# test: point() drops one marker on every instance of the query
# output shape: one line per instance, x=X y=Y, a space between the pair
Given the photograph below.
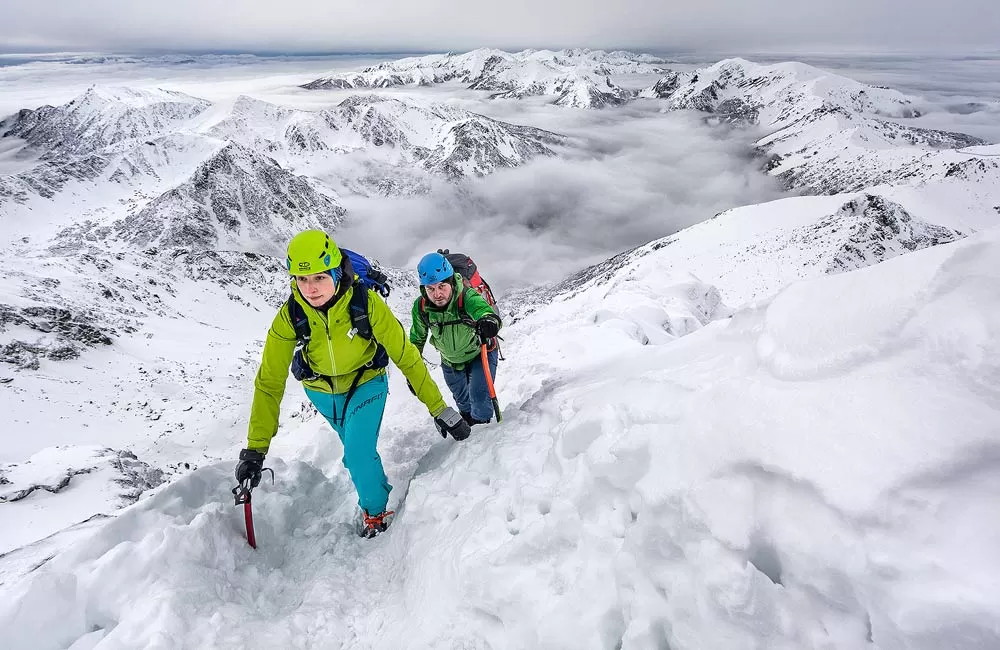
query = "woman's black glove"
x=249 y=467
x=448 y=421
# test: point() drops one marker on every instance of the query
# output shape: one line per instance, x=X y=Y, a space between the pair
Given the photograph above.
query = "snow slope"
x=103 y=116
x=749 y=253
x=788 y=477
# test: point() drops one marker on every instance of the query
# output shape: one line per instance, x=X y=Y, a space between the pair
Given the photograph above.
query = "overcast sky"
x=336 y=25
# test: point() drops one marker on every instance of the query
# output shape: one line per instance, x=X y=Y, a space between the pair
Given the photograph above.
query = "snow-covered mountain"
x=824 y=133
x=100 y=117
x=237 y=199
x=750 y=253
x=575 y=77
x=89 y=336
x=443 y=140
x=120 y=146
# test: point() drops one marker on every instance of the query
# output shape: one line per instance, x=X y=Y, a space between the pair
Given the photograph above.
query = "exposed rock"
x=873 y=229
x=62 y=334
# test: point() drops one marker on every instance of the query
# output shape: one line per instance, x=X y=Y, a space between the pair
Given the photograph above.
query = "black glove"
x=249 y=468
x=487 y=327
x=451 y=422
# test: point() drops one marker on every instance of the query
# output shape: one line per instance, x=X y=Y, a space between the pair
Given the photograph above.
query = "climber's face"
x=317 y=288
x=439 y=293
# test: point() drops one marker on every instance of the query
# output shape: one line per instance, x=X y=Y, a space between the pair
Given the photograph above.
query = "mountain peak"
x=133 y=97
x=237 y=199
x=102 y=116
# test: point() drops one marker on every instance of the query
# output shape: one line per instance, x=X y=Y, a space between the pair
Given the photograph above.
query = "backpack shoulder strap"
x=359 y=311
x=300 y=322
x=424 y=318
x=463 y=312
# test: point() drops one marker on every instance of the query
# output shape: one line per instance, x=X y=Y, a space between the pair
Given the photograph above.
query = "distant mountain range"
x=120 y=156
x=824 y=132
x=577 y=77
x=163 y=171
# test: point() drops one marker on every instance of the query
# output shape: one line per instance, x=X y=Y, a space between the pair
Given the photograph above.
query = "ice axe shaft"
x=248 y=516
x=242 y=492
x=489 y=382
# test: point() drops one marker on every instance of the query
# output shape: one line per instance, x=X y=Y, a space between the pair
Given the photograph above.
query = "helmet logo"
x=304 y=266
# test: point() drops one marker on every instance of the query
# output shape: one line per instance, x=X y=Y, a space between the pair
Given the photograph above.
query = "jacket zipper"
x=329 y=347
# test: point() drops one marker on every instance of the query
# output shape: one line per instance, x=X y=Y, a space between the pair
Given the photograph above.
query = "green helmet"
x=312 y=251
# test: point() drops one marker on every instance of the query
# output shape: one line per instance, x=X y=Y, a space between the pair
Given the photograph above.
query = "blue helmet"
x=434 y=268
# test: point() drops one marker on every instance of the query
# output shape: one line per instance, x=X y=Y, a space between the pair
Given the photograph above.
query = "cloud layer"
x=321 y=25
x=632 y=176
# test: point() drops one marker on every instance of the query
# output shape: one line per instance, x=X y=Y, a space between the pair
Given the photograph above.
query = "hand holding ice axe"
x=248 y=474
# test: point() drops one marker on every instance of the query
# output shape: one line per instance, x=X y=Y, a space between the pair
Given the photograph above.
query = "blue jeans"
x=358 y=432
x=468 y=387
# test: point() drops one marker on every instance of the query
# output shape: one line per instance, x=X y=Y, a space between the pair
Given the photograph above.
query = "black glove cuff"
x=252 y=455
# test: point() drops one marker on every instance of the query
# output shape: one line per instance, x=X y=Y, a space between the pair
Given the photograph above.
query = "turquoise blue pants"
x=358 y=432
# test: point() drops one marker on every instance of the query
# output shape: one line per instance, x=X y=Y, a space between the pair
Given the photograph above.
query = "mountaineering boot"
x=467 y=417
x=372 y=525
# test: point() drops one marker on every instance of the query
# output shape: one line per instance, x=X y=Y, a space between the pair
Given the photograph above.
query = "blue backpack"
x=371 y=277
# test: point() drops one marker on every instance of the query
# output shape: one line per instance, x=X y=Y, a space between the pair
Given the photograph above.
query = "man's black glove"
x=487 y=327
x=249 y=468
x=448 y=421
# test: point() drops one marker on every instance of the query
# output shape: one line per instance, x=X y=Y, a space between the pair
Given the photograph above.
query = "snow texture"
x=787 y=477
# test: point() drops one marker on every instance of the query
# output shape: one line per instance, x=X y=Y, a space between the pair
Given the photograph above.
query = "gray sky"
x=335 y=25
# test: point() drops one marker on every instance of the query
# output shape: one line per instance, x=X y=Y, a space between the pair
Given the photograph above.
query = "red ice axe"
x=242 y=492
x=489 y=382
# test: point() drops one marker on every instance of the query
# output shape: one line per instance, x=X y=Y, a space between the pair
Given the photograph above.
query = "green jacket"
x=334 y=354
x=458 y=344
